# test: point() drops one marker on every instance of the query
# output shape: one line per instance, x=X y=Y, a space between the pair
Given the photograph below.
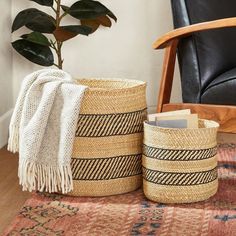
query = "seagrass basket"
x=107 y=152
x=180 y=165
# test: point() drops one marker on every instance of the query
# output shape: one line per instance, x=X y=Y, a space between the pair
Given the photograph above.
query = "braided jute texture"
x=107 y=153
x=180 y=165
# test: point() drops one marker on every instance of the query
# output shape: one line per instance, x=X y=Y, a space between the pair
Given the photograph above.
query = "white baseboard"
x=4 y=124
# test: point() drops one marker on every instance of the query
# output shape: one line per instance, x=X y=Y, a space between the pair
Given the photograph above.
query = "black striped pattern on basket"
x=179 y=179
x=178 y=155
x=106 y=168
x=101 y=125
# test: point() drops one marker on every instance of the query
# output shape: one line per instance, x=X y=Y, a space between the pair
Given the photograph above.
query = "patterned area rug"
x=133 y=214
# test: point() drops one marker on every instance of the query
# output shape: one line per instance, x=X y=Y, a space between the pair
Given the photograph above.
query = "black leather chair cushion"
x=222 y=90
x=204 y=56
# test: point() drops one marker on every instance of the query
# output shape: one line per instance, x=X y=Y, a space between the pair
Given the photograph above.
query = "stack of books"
x=174 y=119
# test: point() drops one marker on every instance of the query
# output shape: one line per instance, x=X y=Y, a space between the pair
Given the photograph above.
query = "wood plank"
x=188 y=30
x=225 y=115
x=11 y=197
x=167 y=75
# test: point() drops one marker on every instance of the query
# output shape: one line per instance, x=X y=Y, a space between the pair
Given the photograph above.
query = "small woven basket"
x=180 y=165
x=107 y=153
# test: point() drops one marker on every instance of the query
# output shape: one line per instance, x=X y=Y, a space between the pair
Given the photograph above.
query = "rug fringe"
x=36 y=176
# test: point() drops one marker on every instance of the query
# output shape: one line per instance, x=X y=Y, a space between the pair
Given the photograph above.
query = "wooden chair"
x=224 y=114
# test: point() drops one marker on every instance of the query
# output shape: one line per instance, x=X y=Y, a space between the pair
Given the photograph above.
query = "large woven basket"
x=180 y=165
x=107 y=153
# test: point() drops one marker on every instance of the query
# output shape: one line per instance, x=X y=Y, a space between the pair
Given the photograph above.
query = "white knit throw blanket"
x=42 y=130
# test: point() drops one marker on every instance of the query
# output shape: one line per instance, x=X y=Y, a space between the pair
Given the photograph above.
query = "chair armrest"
x=188 y=30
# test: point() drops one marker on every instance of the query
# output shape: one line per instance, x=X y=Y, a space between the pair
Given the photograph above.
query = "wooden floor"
x=11 y=196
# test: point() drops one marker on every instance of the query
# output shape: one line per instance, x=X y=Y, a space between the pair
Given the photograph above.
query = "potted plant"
x=49 y=34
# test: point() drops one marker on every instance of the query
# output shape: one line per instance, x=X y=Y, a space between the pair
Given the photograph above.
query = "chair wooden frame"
x=225 y=115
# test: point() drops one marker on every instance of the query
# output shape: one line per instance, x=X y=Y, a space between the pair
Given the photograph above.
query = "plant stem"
x=58 y=44
x=59 y=56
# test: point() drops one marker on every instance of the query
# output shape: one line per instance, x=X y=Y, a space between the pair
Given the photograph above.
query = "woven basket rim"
x=212 y=125
x=134 y=84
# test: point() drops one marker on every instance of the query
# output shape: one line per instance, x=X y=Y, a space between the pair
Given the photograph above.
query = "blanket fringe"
x=13 y=141
x=38 y=177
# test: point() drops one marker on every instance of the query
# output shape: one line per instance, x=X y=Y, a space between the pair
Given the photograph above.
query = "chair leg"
x=167 y=75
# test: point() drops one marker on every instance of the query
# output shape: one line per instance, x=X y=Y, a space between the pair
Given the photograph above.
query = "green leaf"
x=112 y=16
x=39 y=54
x=78 y=29
x=35 y=20
x=88 y=9
x=36 y=37
x=48 y=3
x=65 y=8
x=104 y=20
x=95 y=23
x=64 y=33
x=42 y=25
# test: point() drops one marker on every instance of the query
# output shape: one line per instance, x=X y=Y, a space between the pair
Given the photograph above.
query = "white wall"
x=123 y=51
x=5 y=58
x=6 y=95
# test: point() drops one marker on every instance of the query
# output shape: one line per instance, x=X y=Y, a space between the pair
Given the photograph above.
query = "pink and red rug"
x=133 y=214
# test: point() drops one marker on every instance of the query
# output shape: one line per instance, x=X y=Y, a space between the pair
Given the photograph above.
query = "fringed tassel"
x=13 y=141
x=34 y=176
